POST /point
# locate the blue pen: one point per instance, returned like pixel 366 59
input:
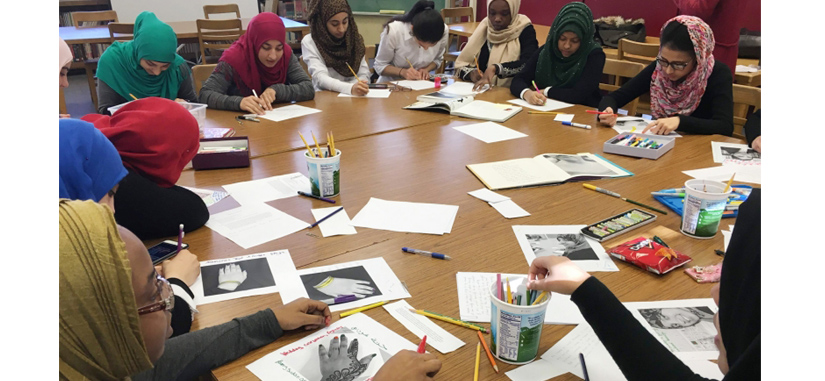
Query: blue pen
pixel 427 253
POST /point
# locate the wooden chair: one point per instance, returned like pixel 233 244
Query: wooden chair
pixel 453 16
pixel 621 69
pixel 640 52
pixel 119 31
pixel 200 73
pixel 369 55
pixel 216 35
pixel 744 97
pixel 87 20
pixel 221 9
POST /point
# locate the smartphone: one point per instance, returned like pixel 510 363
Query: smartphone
pixel 165 250
pixel 378 86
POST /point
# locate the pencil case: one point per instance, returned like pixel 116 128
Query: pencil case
pixel 618 224
pixel 218 153
pixel 639 145
pixel 648 255
pixel 675 203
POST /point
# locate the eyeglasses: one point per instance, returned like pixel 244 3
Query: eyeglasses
pixel 167 302
pixel 675 65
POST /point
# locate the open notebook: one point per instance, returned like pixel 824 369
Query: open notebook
pixel 464 106
pixel 545 169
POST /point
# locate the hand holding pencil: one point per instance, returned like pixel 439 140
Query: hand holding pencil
pixel 555 274
pixel 360 88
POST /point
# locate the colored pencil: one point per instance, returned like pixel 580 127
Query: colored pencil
pixel 448 319
pixel 727 187
pixel 478 357
pixel 509 294
pixel 328 216
pixel 614 194
pixel 478 67
pixel 422 347
pixel 487 349
pixel 133 97
pixel 332 143
pixel 539 298
pixel 543 112
pixel 584 367
pixel 364 308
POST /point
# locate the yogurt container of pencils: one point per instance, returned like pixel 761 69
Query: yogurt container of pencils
pixel 705 202
pixel 515 326
pixel 324 172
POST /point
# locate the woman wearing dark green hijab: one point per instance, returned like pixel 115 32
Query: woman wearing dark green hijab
pixel 568 67
pixel 146 66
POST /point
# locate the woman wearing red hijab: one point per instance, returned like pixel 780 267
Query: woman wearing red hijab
pixel 257 70
pixel 156 138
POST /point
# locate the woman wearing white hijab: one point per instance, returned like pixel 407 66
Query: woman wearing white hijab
pixel 499 47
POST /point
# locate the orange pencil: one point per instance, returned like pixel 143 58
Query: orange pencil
pixel 478 67
pixel 487 349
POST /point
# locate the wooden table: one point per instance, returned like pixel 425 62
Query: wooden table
pixel 427 163
pixel 186 31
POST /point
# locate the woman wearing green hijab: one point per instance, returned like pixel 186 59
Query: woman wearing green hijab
pixel 568 67
pixel 146 66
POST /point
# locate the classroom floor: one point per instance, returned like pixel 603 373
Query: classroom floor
pixel 78 98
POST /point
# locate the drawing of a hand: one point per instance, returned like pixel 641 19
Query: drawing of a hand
pixel 342 286
pixel 339 366
pixel 230 277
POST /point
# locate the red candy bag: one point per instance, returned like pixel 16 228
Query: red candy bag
pixel 649 255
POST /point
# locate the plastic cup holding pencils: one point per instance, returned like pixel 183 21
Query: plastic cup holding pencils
pixel 516 328
pixel 324 172
pixel 705 202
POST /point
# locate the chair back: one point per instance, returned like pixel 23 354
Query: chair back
pixel 119 31
pixel 221 9
pixel 216 35
pixel 455 15
pixel 621 69
pixel 640 52
pixel 744 97
pixel 93 19
pixel 200 73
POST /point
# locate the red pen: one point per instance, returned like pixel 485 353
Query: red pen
pixel 600 112
pixel 423 346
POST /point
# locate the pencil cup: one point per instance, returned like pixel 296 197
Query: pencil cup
pixel 324 173
pixel 704 204
pixel 515 329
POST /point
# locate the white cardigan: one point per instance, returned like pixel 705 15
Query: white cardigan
pixel 324 78
pixel 398 45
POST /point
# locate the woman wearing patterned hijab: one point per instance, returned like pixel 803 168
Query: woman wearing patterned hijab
pixel 689 90
pixel 503 42
pixel 257 70
pixel 146 66
pixel 334 43
pixel 568 67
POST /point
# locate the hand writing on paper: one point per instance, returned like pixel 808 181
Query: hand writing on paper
pixel 339 366
pixel 253 104
pixel 410 74
pixel 360 88
pixel 184 266
pixel 663 126
pixel 303 312
pixel 607 119
pixel 409 366
pixel 535 98
pixel 342 286
pixel 230 277
pixel 555 274
pixel 268 96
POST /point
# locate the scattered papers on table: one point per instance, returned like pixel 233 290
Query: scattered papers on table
pixel 485 194
pixel 208 196
pixel 504 205
pixel 416 85
pixel 744 173
pixel 286 112
pixel 463 89
pixel 550 105
pixel 373 93
pixel 338 224
pixel 635 124
pixel 232 278
pixel 254 224
pixel 420 326
pixel 268 189
pixel 490 132
pixel 564 117
pixel 301 361
pixel 410 217
pixel 734 153
pixel 474 299
pixel 370 280
pixel 693 338
pixel 563 240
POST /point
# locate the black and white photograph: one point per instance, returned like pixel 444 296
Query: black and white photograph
pixel 563 241
pixel 577 165
pixel 236 277
pixel 334 283
pixel 682 329
pixel 723 152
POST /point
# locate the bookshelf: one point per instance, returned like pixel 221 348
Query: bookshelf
pixel 85 51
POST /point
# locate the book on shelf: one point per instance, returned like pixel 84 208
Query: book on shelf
pixel 545 169
pixel 465 106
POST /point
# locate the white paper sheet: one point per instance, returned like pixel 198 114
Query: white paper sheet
pixel 258 274
pixel 565 355
pixel 300 360
pixel 509 209
pixel 372 280
pixel 723 151
pixel 747 174
pixel 252 225
pixel 373 93
pixel 286 112
pixel 544 240
pixel 490 132
pixel 462 88
pixel 416 85
pixel 693 338
pixel 550 105
pixel 474 300
pixel 339 224
pixel 488 195
pixel 538 370
pixel 625 124
pixel 411 217
pixel 746 69
pixel 420 326
pixel 208 196
pixel 704 368
pixel 564 117
pixel 268 189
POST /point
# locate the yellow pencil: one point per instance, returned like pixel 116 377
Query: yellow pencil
pixel 408 61
pixel 332 143
pixel 353 72
pixel 133 97
pixel 543 112
pixel 478 356
pixel 727 187
pixel 478 67
pixel 540 298
pixel 450 320
pixel 364 308
pixel 316 143
pixel 509 294
pixel 307 144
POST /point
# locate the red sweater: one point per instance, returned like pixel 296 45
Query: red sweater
pixel 725 19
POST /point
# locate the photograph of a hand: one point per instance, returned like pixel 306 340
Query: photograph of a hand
pixel 334 287
pixel 340 363
pixel 230 277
